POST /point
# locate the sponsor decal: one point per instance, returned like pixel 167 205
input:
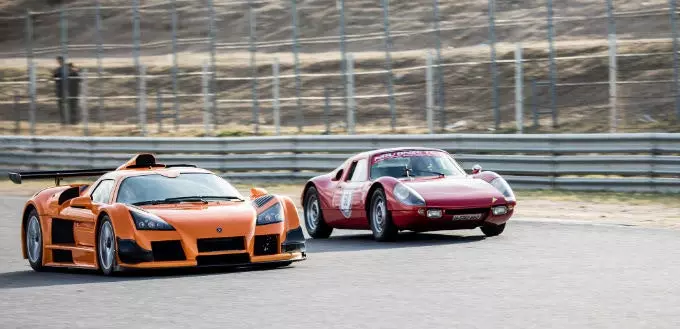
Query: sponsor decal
pixel 467 217
pixel 346 202
pixel 404 154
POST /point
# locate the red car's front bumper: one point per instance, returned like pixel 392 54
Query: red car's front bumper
pixel 416 219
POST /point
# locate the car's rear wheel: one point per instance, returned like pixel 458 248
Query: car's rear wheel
pixel 492 229
pixel 380 219
pixel 106 247
pixel 314 221
pixel 34 241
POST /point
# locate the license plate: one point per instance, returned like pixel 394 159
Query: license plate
pixel 467 217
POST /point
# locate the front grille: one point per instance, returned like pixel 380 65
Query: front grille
pixel 217 260
pixel 467 211
pixel 167 250
pixel 221 244
pixel 261 201
pixel 266 245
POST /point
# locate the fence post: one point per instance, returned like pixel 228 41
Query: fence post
pixel 17 114
pixel 494 68
pixel 85 94
pixel 175 86
pixel 142 99
pixel 98 27
pixel 553 68
pixel 519 89
pixel 534 103
pixel 206 100
pixel 31 71
pixel 327 109
pixel 611 27
pixel 440 75
pixel 159 110
pixel 298 82
pixel 340 5
pixel 253 65
pixel 350 94
pixel 275 93
pixel 136 33
pixel 429 108
pixel 388 63
pixel 676 69
pixel 213 67
pixel 65 96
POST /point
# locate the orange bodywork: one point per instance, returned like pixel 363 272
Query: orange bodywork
pixel 220 232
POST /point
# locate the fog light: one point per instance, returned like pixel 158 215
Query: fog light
pixel 502 210
pixel 434 213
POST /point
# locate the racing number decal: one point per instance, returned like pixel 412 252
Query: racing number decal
pixel 346 203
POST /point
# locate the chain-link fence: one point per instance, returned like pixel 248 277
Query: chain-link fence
pixel 219 67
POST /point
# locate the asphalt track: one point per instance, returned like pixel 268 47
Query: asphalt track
pixel 535 275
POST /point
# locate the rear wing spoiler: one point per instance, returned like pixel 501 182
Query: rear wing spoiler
pixel 57 175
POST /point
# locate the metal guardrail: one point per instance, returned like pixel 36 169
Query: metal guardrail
pixel 620 162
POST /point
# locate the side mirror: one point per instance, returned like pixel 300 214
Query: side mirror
pixel 476 169
pixel 82 202
pixel 257 192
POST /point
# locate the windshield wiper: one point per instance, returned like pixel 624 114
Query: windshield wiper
pixel 431 172
pixel 203 198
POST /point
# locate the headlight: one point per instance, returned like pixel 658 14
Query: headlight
pixel 273 214
pixel 502 186
pixel 500 210
pixel 407 195
pixel 149 222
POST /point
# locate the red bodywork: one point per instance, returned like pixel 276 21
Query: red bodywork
pixel 464 194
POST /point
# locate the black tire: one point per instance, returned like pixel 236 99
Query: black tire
pixel 106 247
pixel 493 230
pixel 33 236
pixel 314 222
pixel 380 218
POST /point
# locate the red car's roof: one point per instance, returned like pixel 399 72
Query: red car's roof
pixel 395 149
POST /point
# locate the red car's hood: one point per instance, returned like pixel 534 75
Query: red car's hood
pixel 456 192
pixel 202 220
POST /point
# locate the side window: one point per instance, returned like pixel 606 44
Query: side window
pixel 102 193
pixel 350 171
pixel 359 172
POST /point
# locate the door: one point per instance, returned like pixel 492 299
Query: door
pixel 348 196
pixel 83 219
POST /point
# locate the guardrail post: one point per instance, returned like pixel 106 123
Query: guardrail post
pixel 296 66
pixel 613 117
pixel 253 65
pixel 175 83
pixel 388 63
pixel 142 100
pixel 206 100
pixel 83 102
pixel 31 71
pixel 350 94
pixel 327 109
pixel 17 114
pixel 275 93
pixel 676 70
pixel 553 65
pixel 159 110
pixel 65 104
pixel 519 89
pixel 494 69
pixel 100 96
pixel 429 108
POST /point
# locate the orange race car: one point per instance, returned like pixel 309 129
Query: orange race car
pixel 149 215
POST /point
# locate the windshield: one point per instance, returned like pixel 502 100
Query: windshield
pixel 414 164
pixel 140 189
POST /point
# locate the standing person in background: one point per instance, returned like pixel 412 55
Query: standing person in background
pixel 59 90
pixel 74 93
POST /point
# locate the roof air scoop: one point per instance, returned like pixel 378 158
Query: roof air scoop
pixel 142 160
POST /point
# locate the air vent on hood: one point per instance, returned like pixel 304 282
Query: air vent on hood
pixel 261 201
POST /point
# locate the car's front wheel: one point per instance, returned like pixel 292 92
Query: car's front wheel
pixel 314 221
pixel 106 247
pixel 380 218
pixel 34 241
pixel 492 229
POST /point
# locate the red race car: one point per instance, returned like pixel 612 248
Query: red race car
pixel 416 189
